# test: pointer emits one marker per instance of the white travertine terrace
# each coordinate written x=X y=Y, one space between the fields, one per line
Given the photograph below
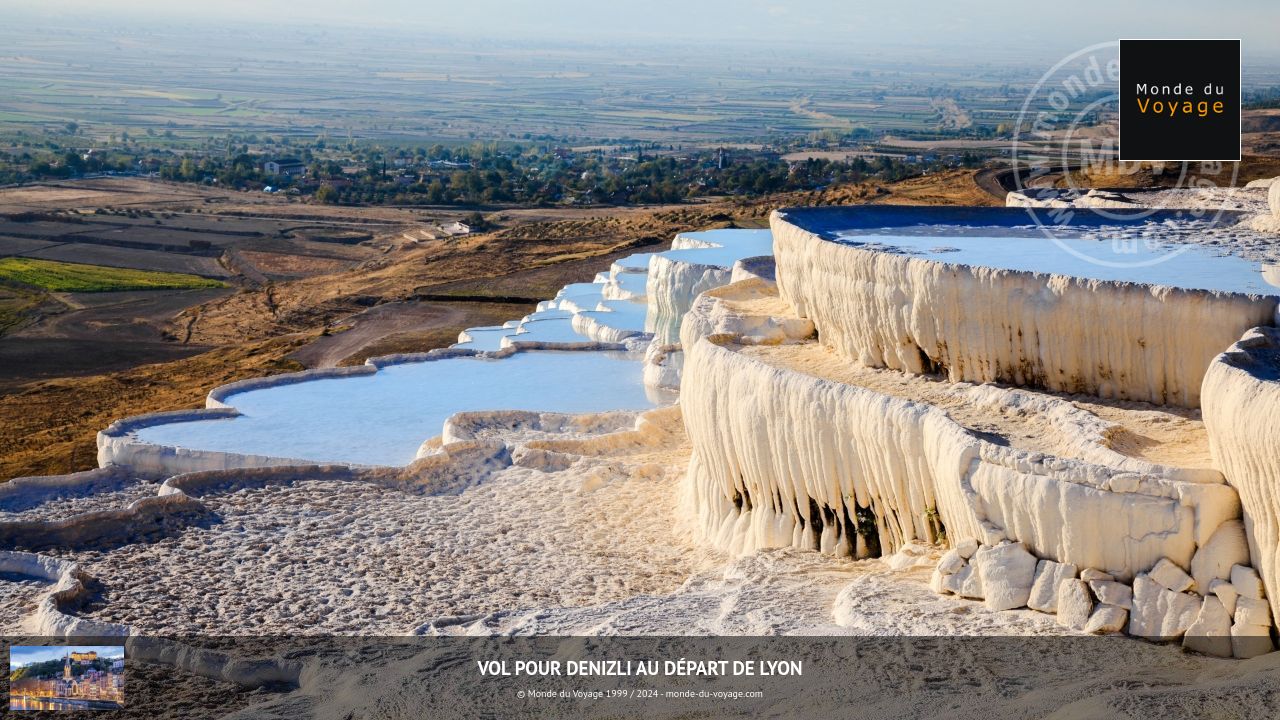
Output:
x=798 y=441
x=979 y=324
x=697 y=262
x=783 y=457
x=836 y=457
x=1242 y=415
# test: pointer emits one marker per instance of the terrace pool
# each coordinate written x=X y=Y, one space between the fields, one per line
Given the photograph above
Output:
x=720 y=248
x=620 y=314
x=1165 y=248
x=555 y=330
x=485 y=338
x=382 y=419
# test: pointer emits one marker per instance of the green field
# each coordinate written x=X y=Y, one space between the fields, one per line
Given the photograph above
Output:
x=72 y=277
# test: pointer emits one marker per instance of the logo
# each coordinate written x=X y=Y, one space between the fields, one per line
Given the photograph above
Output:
x=1180 y=100
x=1067 y=150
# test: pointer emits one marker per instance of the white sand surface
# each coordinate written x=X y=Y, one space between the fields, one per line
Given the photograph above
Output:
x=60 y=506
x=331 y=556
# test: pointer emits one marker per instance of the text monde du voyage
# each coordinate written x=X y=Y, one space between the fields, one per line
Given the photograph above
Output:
x=1181 y=99
x=636 y=668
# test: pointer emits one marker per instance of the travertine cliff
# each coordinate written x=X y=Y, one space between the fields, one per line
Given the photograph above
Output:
x=1242 y=415
x=784 y=458
x=1109 y=339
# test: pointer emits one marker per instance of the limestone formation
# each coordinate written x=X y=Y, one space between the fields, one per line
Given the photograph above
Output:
x=1007 y=572
x=1075 y=604
x=786 y=458
x=1226 y=593
x=69 y=589
x=1252 y=611
x=676 y=280
x=1226 y=547
x=1248 y=641
x=937 y=582
x=1110 y=592
x=954 y=583
x=951 y=562
x=1245 y=581
x=1107 y=619
x=920 y=315
x=971 y=583
x=1159 y=613
x=967 y=548
x=1170 y=576
x=1044 y=589
x=1241 y=394
x=1095 y=575
x=1211 y=632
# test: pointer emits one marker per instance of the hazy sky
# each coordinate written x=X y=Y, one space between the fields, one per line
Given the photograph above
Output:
x=1051 y=26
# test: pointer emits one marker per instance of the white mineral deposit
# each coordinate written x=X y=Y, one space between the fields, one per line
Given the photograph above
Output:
x=895 y=425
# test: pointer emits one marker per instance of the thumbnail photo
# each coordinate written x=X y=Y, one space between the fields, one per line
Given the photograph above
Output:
x=66 y=677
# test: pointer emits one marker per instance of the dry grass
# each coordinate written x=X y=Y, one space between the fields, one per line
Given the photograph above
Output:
x=50 y=427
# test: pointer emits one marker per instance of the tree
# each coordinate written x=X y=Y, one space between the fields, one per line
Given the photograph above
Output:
x=327 y=195
x=477 y=222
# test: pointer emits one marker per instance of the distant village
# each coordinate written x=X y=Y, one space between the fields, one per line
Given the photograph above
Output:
x=489 y=174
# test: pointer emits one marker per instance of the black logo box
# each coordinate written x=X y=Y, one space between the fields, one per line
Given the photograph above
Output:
x=1187 y=65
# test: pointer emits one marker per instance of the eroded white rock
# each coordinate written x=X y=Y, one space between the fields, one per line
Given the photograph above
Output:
x=1226 y=592
x=1246 y=582
x=950 y=563
x=971 y=587
x=1110 y=339
x=967 y=547
x=1044 y=588
x=1007 y=572
x=1252 y=611
x=954 y=583
x=1170 y=576
x=1110 y=592
x=1248 y=641
x=1075 y=604
x=1226 y=547
x=1240 y=397
x=1211 y=632
x=772 y=444
x=1095 y=575
x=937 y=582
x=1107 y=619
x=1159 y=613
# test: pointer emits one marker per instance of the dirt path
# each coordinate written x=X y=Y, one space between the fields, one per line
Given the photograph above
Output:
x=374 y=324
